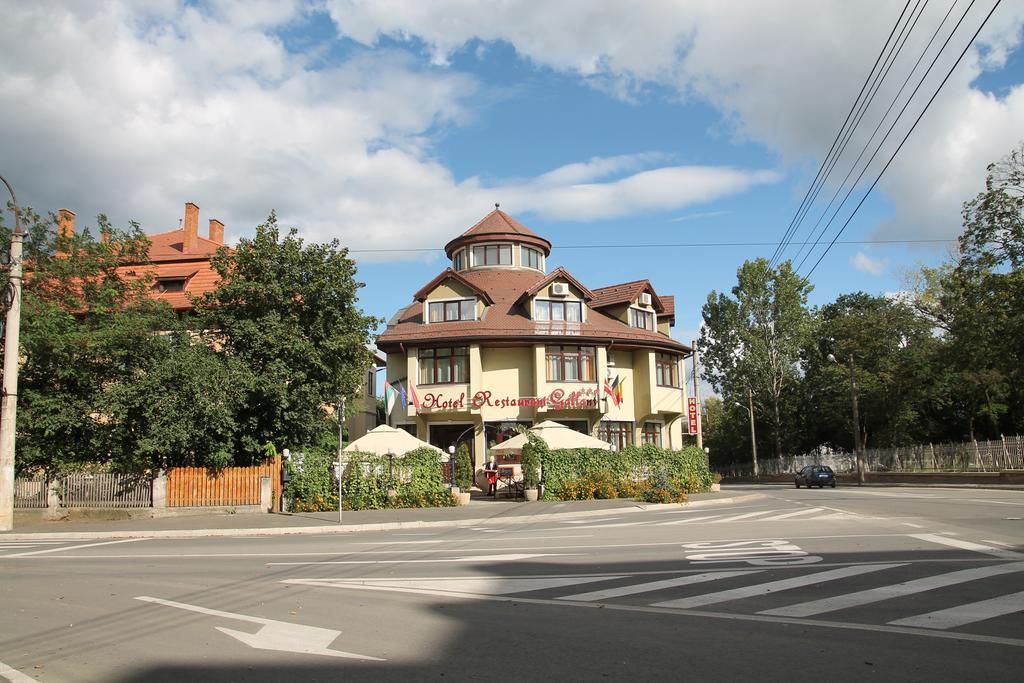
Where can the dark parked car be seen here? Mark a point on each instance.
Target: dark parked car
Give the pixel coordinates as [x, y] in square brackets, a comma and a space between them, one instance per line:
[815, 475]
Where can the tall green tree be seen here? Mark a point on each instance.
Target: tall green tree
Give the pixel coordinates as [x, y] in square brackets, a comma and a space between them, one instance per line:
[287, 311]
[86, 327]
[752, 340]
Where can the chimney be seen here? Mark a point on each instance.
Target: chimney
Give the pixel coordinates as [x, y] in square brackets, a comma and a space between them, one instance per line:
[190, 242]
[65, 223]
[216, 231]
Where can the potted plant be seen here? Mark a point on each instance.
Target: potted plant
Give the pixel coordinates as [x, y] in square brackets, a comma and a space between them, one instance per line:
[463, 473]
[533, 451]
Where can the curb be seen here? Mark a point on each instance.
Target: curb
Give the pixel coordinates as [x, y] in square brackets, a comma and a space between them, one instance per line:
[356, 528]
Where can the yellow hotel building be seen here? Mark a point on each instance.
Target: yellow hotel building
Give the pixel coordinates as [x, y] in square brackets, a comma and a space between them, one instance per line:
[497, 340]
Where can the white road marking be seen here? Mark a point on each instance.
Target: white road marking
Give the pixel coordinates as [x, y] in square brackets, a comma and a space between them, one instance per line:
[275, 635]
[807, 511]
[884, 494]
[772, 586]
[687, 520]
[74, 547]
[13, 675]
[968, 545]
[588, 521]
[914, 526]
[655, 585]
[757, 618]
[866, 597]
[734, 518]
[987, 540]
[475, 585]
[966, 614]
[474, 558]
[989, 502]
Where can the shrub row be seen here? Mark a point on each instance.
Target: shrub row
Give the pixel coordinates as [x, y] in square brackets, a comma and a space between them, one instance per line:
[370, 482]
[644, 472]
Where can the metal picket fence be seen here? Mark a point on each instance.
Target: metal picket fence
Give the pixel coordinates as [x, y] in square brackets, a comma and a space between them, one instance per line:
[105, 490]
[30, 492]
[1006, 453]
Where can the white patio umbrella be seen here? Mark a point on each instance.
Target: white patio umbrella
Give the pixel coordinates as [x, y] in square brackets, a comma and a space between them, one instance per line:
[384, 439]
[556, 436]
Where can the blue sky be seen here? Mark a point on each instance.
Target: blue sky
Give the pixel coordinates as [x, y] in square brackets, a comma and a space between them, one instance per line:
[399, 124]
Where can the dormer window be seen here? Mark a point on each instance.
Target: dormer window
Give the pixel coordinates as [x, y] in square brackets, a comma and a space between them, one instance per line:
[452, 310]
[640, 318]
[169, 285]
[492, 255]
[558, 311]
[531, 258]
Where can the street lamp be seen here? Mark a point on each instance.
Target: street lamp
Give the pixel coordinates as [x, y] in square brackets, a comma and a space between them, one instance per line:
[753, 434]
[857, 450]
[9, 409]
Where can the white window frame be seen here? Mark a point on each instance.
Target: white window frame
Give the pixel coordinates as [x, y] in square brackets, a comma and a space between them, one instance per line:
[510, 245]
[455, 260]
[652, 313]
[426, 309]
[581, 302]
[540, 254]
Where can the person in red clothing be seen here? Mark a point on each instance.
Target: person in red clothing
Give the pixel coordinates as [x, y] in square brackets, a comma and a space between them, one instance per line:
[491, 471]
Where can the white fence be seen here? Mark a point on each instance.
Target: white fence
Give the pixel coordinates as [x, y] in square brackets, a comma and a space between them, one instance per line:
[1006, 453]
[105, 490]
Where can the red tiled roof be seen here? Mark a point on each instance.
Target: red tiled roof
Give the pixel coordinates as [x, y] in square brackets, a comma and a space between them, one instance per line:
[169, 246]
[625, 293]
[449, 274]
[559, 272]
[200, 278]
[506, 319]
[495, 226]
[668, 302]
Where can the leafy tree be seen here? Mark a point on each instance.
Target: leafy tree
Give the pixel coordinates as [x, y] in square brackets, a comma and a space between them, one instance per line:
[752, 340]
[286, 310]
[87, 326]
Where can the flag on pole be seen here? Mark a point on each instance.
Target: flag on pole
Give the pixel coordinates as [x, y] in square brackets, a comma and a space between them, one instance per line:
[415, 398]
[405, 399]
[614, 389]
[389, 398]
[618, 389]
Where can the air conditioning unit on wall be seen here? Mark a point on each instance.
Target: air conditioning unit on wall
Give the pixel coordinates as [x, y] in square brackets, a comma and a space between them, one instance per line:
[559, 289]
[645, 299]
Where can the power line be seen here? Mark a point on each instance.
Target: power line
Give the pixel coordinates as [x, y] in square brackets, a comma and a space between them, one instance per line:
[789, 230]
[667, 245]
[874, 133]
[916, 121]
[904, 37]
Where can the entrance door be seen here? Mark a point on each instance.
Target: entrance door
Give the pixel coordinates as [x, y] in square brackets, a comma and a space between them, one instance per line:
[446, 435]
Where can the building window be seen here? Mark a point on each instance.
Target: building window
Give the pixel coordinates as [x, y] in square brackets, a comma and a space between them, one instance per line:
[558, 311]
[652, 433]
[531, 258]
[460, 259]
[447, 311]
[166, 285]
[492, 255]
[666, 369]
[618, 434]
[444, 366]
[571, 363]
[642, 319]
[371, 383]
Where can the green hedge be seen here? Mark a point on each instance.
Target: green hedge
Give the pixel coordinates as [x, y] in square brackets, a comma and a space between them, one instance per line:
[588, 473]
[416, 479]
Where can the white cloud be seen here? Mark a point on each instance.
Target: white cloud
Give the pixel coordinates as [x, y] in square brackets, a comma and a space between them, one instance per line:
[134, 108]
[782, 73]
[866, 264]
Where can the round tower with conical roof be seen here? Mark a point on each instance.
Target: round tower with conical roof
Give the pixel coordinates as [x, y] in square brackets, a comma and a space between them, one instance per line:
[498, 241]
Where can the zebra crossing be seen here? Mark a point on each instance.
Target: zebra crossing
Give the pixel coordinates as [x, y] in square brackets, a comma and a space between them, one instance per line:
[752, 592]
[699, 517]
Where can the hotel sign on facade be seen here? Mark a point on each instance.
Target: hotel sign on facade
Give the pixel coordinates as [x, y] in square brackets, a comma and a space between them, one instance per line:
[558, 399]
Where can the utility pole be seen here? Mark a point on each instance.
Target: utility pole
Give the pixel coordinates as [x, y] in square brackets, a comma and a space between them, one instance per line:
[9, 409]
[341, 443]
[753, 434]
[858, 450]
[696, 394]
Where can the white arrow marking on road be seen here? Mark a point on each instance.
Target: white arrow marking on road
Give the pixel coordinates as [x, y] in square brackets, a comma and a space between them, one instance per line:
[275, 635]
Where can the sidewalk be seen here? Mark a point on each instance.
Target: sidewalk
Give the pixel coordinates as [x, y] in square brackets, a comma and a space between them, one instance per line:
[477, 513]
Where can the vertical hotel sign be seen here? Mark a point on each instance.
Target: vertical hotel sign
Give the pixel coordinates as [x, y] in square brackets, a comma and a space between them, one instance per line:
[691, 413]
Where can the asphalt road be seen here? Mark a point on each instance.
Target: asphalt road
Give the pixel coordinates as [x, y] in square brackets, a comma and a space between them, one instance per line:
[844, 584]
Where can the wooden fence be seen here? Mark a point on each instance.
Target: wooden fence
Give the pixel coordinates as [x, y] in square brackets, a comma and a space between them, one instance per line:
[199, 487]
